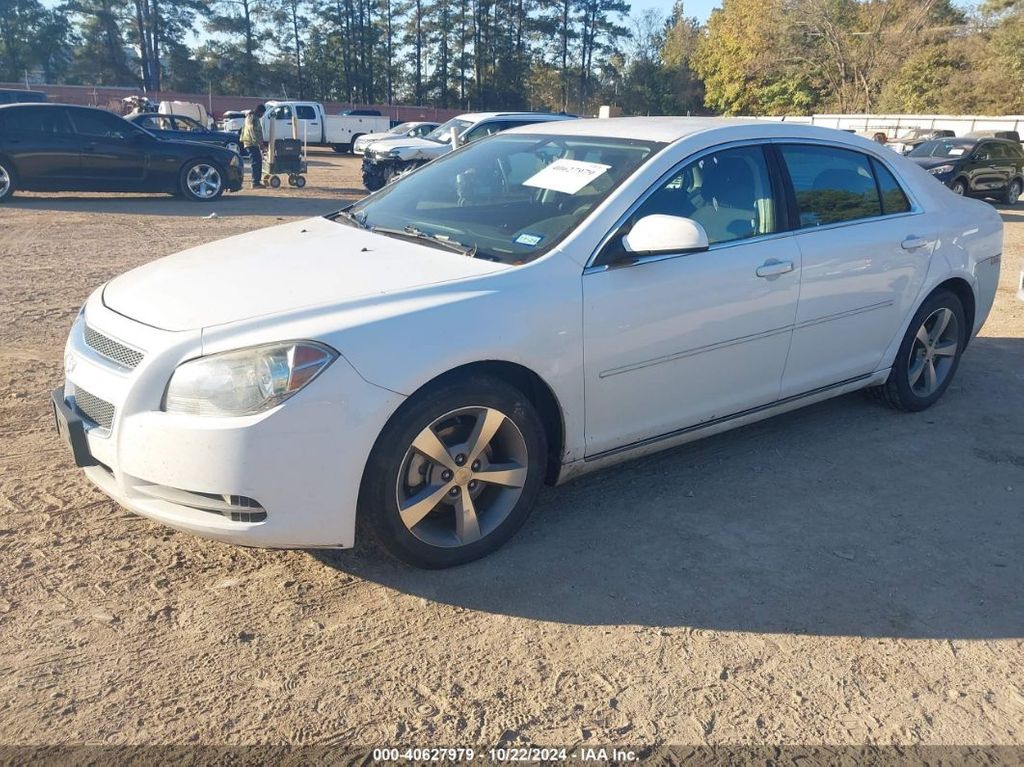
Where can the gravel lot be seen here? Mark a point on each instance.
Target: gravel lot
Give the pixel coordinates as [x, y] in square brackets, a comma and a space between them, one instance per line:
[842, 574]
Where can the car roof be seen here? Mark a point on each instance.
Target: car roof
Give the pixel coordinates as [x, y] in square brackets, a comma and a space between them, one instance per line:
[539, 116]
[671, 129]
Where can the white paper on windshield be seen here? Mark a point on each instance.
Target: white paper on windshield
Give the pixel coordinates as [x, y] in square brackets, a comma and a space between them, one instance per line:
[568, 176]
[955, 152]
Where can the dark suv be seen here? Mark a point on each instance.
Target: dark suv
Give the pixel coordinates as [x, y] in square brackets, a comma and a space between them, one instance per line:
[977, 167]
[56, 147]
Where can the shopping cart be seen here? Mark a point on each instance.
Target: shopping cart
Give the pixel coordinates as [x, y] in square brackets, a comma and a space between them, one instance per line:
[284, 156]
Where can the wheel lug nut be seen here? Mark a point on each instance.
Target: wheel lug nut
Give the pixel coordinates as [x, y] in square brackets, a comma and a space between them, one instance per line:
[446, 475]
[476, 466]
[472, 484]
[453, 491]
[460, 459]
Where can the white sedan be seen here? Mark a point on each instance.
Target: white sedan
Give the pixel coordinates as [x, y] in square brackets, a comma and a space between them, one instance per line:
[533, 306]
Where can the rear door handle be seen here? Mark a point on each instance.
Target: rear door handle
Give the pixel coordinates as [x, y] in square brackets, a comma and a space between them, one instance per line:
[913, 243]
[773, 268]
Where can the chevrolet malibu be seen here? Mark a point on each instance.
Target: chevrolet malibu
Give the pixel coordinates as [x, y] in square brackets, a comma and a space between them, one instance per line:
[531, 307]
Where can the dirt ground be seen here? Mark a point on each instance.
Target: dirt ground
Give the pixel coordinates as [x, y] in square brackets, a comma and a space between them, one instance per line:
[842, 574]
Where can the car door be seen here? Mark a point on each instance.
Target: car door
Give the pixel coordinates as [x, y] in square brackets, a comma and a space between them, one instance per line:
[112, 151]
[674, 340]
[1004, 168]
[309, 123]
[982, 170]
[865, 250]
[42, 146]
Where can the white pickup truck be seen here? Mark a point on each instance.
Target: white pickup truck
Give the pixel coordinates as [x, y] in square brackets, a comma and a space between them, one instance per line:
[317, 127]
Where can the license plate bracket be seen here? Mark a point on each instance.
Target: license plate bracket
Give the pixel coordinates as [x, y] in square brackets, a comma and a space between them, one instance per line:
[71, 428]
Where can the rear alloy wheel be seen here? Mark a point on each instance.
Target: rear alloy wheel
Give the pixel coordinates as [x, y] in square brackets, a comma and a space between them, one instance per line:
[1012, 192]
[455, 473]
[959, 187]
[6, 181]
[202, 181]
[929, 355]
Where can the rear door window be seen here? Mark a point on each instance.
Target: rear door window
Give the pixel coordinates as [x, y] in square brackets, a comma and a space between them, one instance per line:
[35, 120]
[93, 122]
[832, 185]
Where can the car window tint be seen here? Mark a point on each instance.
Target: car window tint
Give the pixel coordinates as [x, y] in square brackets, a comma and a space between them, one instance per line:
[35, 120]
[729, 193]
[894, 199]
[422, 130]
[305, 113]
[832, 185]
[983, 152]
[283, 113]
[480, 131]
[89, 122]
[187, 124]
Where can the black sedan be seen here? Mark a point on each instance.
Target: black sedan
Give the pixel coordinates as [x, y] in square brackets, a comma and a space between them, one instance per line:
[56, 147]
[977, 167]
[184, 129]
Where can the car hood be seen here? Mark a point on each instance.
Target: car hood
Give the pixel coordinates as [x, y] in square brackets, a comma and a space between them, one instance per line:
[934, 162]
[316, 262]
[405, 142]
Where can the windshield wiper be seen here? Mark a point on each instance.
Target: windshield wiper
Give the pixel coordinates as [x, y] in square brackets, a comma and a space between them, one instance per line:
[412, 233]
[352, 218]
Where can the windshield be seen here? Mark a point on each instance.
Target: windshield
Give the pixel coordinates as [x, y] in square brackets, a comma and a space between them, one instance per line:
[443, 132]
[401, 128]
[939, 148]
[507, 198]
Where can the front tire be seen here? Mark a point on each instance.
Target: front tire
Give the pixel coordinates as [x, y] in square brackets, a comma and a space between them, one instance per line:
[351, 146]
[201, 181]
[1012, 193]
[454, 473]
[929, 355]
[959, 187]
[7, 180]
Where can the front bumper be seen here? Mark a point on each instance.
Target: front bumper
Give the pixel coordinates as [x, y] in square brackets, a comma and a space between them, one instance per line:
[288, 477]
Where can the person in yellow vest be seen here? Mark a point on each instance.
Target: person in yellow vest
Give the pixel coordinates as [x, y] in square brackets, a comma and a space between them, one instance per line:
[252, 139]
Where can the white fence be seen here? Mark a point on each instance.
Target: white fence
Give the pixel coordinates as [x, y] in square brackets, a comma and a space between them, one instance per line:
[894, 125]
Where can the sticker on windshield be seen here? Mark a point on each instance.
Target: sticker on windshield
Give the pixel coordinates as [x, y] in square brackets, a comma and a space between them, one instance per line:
[956, 152]
[568, 176]
[529, 239]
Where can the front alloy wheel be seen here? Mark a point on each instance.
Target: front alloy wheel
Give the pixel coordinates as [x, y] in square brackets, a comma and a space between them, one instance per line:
[1012, 192]
[202, 181]
[462, 476]
[454, 473]
[959, 187]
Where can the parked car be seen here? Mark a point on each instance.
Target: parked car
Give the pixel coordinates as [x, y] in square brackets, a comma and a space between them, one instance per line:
[907, 140]
[232, 121]
[184, 129]
[402, 130]
[317, 127]
[987, 167]
[56, 147]
[421, 357]
[395, 157]
[18, 96]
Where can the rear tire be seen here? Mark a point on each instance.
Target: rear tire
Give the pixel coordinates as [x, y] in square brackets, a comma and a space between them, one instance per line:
[8, 180]
[928, 357]
[1012, 193]
[341, 148]
[454, 473]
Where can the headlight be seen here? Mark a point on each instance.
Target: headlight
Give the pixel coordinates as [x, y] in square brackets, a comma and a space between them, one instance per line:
[940, 170]
[246, 381]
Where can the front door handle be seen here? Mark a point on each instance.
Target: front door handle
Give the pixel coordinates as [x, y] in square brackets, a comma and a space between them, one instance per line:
[913, 243]
[773, 268]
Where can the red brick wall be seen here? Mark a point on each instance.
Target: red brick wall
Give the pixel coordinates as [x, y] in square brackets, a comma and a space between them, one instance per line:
[110, 98]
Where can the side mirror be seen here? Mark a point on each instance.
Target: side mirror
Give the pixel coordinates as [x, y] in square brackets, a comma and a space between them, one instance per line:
[659, 233]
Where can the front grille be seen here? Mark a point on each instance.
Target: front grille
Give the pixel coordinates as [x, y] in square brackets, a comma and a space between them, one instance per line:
[113, 350]
[99, 411]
